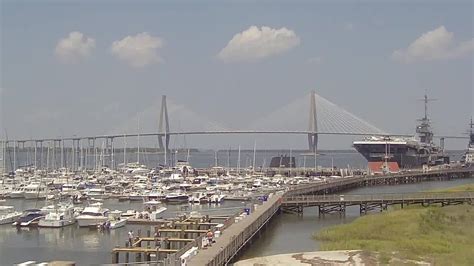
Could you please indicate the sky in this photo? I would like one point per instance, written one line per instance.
(98, 67)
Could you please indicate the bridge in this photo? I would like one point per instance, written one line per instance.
(324, 118)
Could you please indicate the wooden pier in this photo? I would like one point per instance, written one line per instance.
(338, 203)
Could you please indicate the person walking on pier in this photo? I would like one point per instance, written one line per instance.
(130, 237)
(210, 236)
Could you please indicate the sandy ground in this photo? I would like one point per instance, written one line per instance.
(340, 257)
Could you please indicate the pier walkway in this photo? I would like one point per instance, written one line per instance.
(236, 236)
(338, 203)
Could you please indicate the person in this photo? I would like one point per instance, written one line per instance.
(130, 237)
(209, 235)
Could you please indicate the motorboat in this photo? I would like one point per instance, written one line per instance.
(17, 193)
(35, 191)
(59, 216)
(8, 214)
(176, 197)
(92, 215)
(198, 197)
(154, 208)
(30, 217)
(116, 220)
(217, 198)
(97, 193)
(135, 196)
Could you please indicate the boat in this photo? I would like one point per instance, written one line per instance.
(59, 216)
(198, 197)
(390, 154)
(93, 214)
(135, 196)
(97, 193)
(30, 217)
(116, 220)
(8, 214)
(468, 157)
(17, 193)
(216, 198)
(176, 197)
(35, 191)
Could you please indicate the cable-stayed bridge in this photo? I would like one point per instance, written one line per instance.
(311, 115)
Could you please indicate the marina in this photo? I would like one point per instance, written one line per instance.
(213, 134)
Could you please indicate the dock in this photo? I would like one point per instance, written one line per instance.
(338, 203)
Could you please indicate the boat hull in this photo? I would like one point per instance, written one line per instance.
(55, 223)
(86, 222)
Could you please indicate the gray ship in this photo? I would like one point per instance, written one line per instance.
(388, 153)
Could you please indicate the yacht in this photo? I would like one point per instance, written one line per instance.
(35, 191)
(18, 192)
(8, 214)
(59, 216)
(97, 193)
(29, 217)
(176, 197)
(154, 208)
(115, 220)
(92, 215)
(198, 197)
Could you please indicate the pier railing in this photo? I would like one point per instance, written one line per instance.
(390, 197)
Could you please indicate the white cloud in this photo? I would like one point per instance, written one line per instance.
(257, 43)
(139, 50)
(434, 45)
(74, 47)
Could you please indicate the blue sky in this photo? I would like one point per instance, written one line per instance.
(344, 51)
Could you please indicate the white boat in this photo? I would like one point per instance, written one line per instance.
(35, 191)
(198, 197)
(92, 215)
(97, 193)
(154, 208)
(17, 193)
(8, 214)
(116, 220)
(59, 216)
(217, 198)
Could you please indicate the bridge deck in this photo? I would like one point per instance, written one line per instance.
(315, 200)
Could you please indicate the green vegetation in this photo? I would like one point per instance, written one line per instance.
(439, 235)
(466, 187)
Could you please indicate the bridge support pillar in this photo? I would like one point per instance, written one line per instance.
(313, 124)
(164, 126)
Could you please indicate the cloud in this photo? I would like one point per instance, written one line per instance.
(139, 50)
(257, 43)
(74, 47)
(434, 45)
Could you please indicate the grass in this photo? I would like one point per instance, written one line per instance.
(439, 235)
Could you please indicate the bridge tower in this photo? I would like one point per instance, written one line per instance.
(313, 124)
(164, 126)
